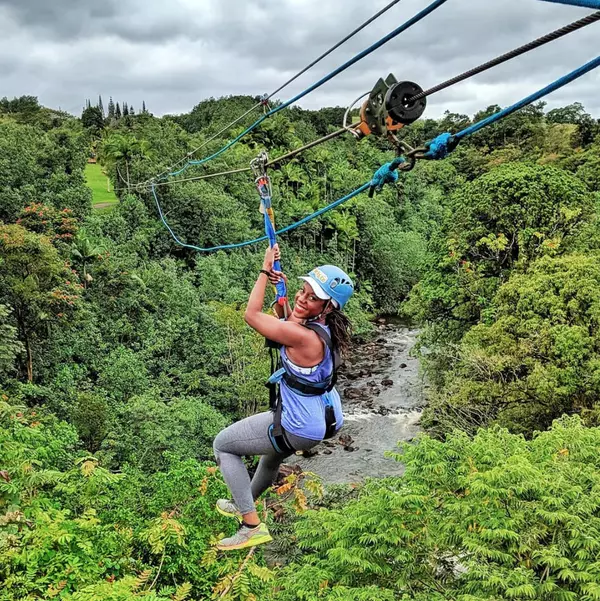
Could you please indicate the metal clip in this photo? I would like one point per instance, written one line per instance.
(259, 164)
(262, 181)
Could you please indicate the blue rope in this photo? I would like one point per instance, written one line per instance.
(386, 174)
(424, 13)
(284, 230)
(594, 4)
(263, 185)
(440, 147)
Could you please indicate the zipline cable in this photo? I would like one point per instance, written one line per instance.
(205, 143)
(438, 148)
(281, 87)
(343, 41)
(272, 163)
(559, 83)
(441, 146)
(393, 34)
(550, 37)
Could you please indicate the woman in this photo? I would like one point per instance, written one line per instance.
(314, 331)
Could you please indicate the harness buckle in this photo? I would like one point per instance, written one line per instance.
(276, 377)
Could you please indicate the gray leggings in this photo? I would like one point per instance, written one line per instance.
(250, 436)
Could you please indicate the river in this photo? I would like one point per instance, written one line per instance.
(382, 398)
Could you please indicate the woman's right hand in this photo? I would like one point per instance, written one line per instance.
(276, 276)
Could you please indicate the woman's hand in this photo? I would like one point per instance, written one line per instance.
(277, 276)
(271, 254)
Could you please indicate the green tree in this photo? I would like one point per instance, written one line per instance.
(119, 150)
(111, 109)
(84, 252)
(536, 357)
(10, 347)
(503, 220)
(488, 518)
(37, 284)
(93, 119)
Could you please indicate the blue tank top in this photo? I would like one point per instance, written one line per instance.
(305, 415)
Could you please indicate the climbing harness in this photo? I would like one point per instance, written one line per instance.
(281, 372)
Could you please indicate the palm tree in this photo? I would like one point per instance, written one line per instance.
(85, 251)
(119, 148)
(346, 231)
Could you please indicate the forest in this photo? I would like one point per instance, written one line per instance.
(123, 354)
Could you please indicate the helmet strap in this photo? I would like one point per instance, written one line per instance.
(321, 313)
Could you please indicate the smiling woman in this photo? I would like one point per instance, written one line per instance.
(305, 406)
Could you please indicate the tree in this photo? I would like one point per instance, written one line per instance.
(503, 220)
(125, 110)
(36, 283)
(101, 106)
(92, 118)
(84, 252)
(111, 109)
(10, 347)
(118, 114)
(120, 150)
(575, 114)
(537, 356)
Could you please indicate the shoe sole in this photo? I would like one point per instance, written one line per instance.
(238, 517)
(253, 542)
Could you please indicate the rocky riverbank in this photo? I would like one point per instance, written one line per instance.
(382, 398)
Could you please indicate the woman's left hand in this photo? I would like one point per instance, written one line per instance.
(270, 255)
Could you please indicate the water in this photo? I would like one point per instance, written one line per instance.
(382, 397)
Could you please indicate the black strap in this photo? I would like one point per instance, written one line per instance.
(326, 338)
(279, 440)
(275, 362)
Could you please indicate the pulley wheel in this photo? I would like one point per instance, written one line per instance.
(397, 102)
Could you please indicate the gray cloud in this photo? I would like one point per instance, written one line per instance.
(172, 55)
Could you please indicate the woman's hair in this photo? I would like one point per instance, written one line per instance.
(341, 330)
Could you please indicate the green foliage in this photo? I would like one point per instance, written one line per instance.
(37, 284)
(69, 528)
(493, 517)
(152, 357)
(499, 222)
(536, 356)
(40, 167)
(147, 427)
(10, 346)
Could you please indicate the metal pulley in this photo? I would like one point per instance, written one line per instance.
(398, 102)
(389, 107)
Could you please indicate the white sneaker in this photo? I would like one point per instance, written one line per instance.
(228, 509)
(245, 537)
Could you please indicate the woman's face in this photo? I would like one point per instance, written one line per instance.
(306, 304)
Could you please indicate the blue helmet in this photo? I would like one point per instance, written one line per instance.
(330, 282)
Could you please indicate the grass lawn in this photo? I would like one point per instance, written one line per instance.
(97, 181)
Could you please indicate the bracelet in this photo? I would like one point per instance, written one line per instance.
(265, 272)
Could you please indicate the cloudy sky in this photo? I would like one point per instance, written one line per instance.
(173, 54)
